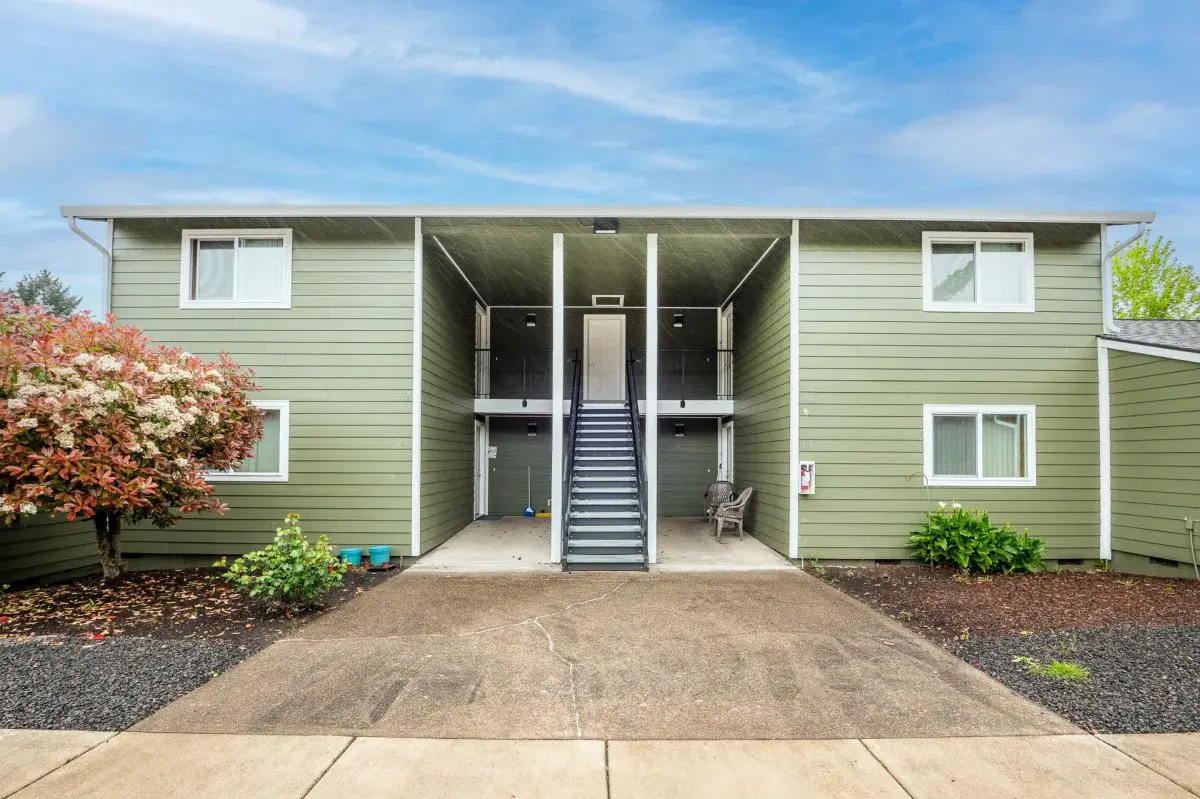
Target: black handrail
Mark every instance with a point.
(569, 455)
(639, 456)
(495, 376)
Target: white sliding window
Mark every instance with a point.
(980, 445)
(989, 272)
(269, 463)
(236, 269)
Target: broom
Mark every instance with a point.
(529, 492)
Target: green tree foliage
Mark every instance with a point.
(46, 290)
(1150, 282)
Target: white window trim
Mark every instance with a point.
(928, 238)
(281, 476)
(1030, 413)
(185, 267)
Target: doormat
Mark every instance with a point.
(489, 517)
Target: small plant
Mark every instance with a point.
(816, 567)
(969, 540)
(292, 573)
(1100, 565)
(1064, 670)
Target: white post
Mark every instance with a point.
(415, 441)
(1105, 452)
(557, 500)
(651, 443)
(794, 391)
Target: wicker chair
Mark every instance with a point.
(717, 495)
(733, 513)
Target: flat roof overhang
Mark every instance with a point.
(97, 212)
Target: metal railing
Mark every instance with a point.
(693, 374)
(569, 453)
(515, 374)
(639, 456)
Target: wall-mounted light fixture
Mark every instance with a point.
(530, 320)
(679, 431)
(606, 224)
(677, 320)
(531, 429)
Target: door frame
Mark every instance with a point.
(483, 341)
(725, 360)
(725, 450)
(482, 429)
(621, 354)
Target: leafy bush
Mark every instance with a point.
(292, 573)
(969, 540)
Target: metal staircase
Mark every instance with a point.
(606, 511)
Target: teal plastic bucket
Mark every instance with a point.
(380, 555)
(352, 555)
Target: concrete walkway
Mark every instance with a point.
(37, 764)
(604, 656)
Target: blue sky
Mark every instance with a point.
(1039, 104)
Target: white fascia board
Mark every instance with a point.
(632, 211)
(1150, 349)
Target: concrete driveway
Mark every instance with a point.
(737, 655)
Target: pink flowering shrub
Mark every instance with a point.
(98, 423)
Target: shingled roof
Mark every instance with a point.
(1178, 334)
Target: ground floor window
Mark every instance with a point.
(269, 463)
(980, 445)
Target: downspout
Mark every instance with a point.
(106, 276)
(1106, 262)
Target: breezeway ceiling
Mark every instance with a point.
(510, 261)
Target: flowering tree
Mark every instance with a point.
(98, 423)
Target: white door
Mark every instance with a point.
(604, 357)
(483, 355)
(725, 353)
(725, 452)
(481, 465)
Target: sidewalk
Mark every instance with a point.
(35, 763)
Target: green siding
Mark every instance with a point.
(43, 546)
(1155, 454)
(342, 355)
(447, 402)
(517, 452)
(686, 466)
(762, 320)
(870, 357)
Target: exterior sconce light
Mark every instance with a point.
(677, 320)
(679, 431)
(530, 320)
(531, 429)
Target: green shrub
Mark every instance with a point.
(292, 572)
(969, 540)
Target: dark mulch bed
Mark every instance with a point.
(1138, 636)
(93, 655)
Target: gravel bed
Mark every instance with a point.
(61, 683)
(1142, 680)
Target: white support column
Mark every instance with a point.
(794, 391)
(651, 443)
(557, 500)
(415, 441)
(1105, 452)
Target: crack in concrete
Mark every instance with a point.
(536, 621)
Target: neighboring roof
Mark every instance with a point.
(1177, 334)
(632, 211)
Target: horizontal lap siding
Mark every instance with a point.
(870, 358)
(1155, 454)
(43, 546)
(762, 321)
(687, 465)
(447, 402)
(520, 472)
(342, 355)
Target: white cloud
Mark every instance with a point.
(17, 111)
(254, 21)
(17, 216)
(576, 179)
(244, 196)
(1038, 135)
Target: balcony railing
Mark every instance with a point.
(694, 374)
(517, 374)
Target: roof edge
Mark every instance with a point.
(96, 212)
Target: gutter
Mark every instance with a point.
(106, 276)
(1106, 262)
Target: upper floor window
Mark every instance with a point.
(269, 463)
(990, 272)
(236, 269)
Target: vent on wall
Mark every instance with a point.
(608, 300)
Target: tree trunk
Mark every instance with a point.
(108, 541)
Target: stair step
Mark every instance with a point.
(604, 559)
(605, 514)
(605, 501)
(604, 490)
(590, 458)
(615, 543)
(603, 528)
